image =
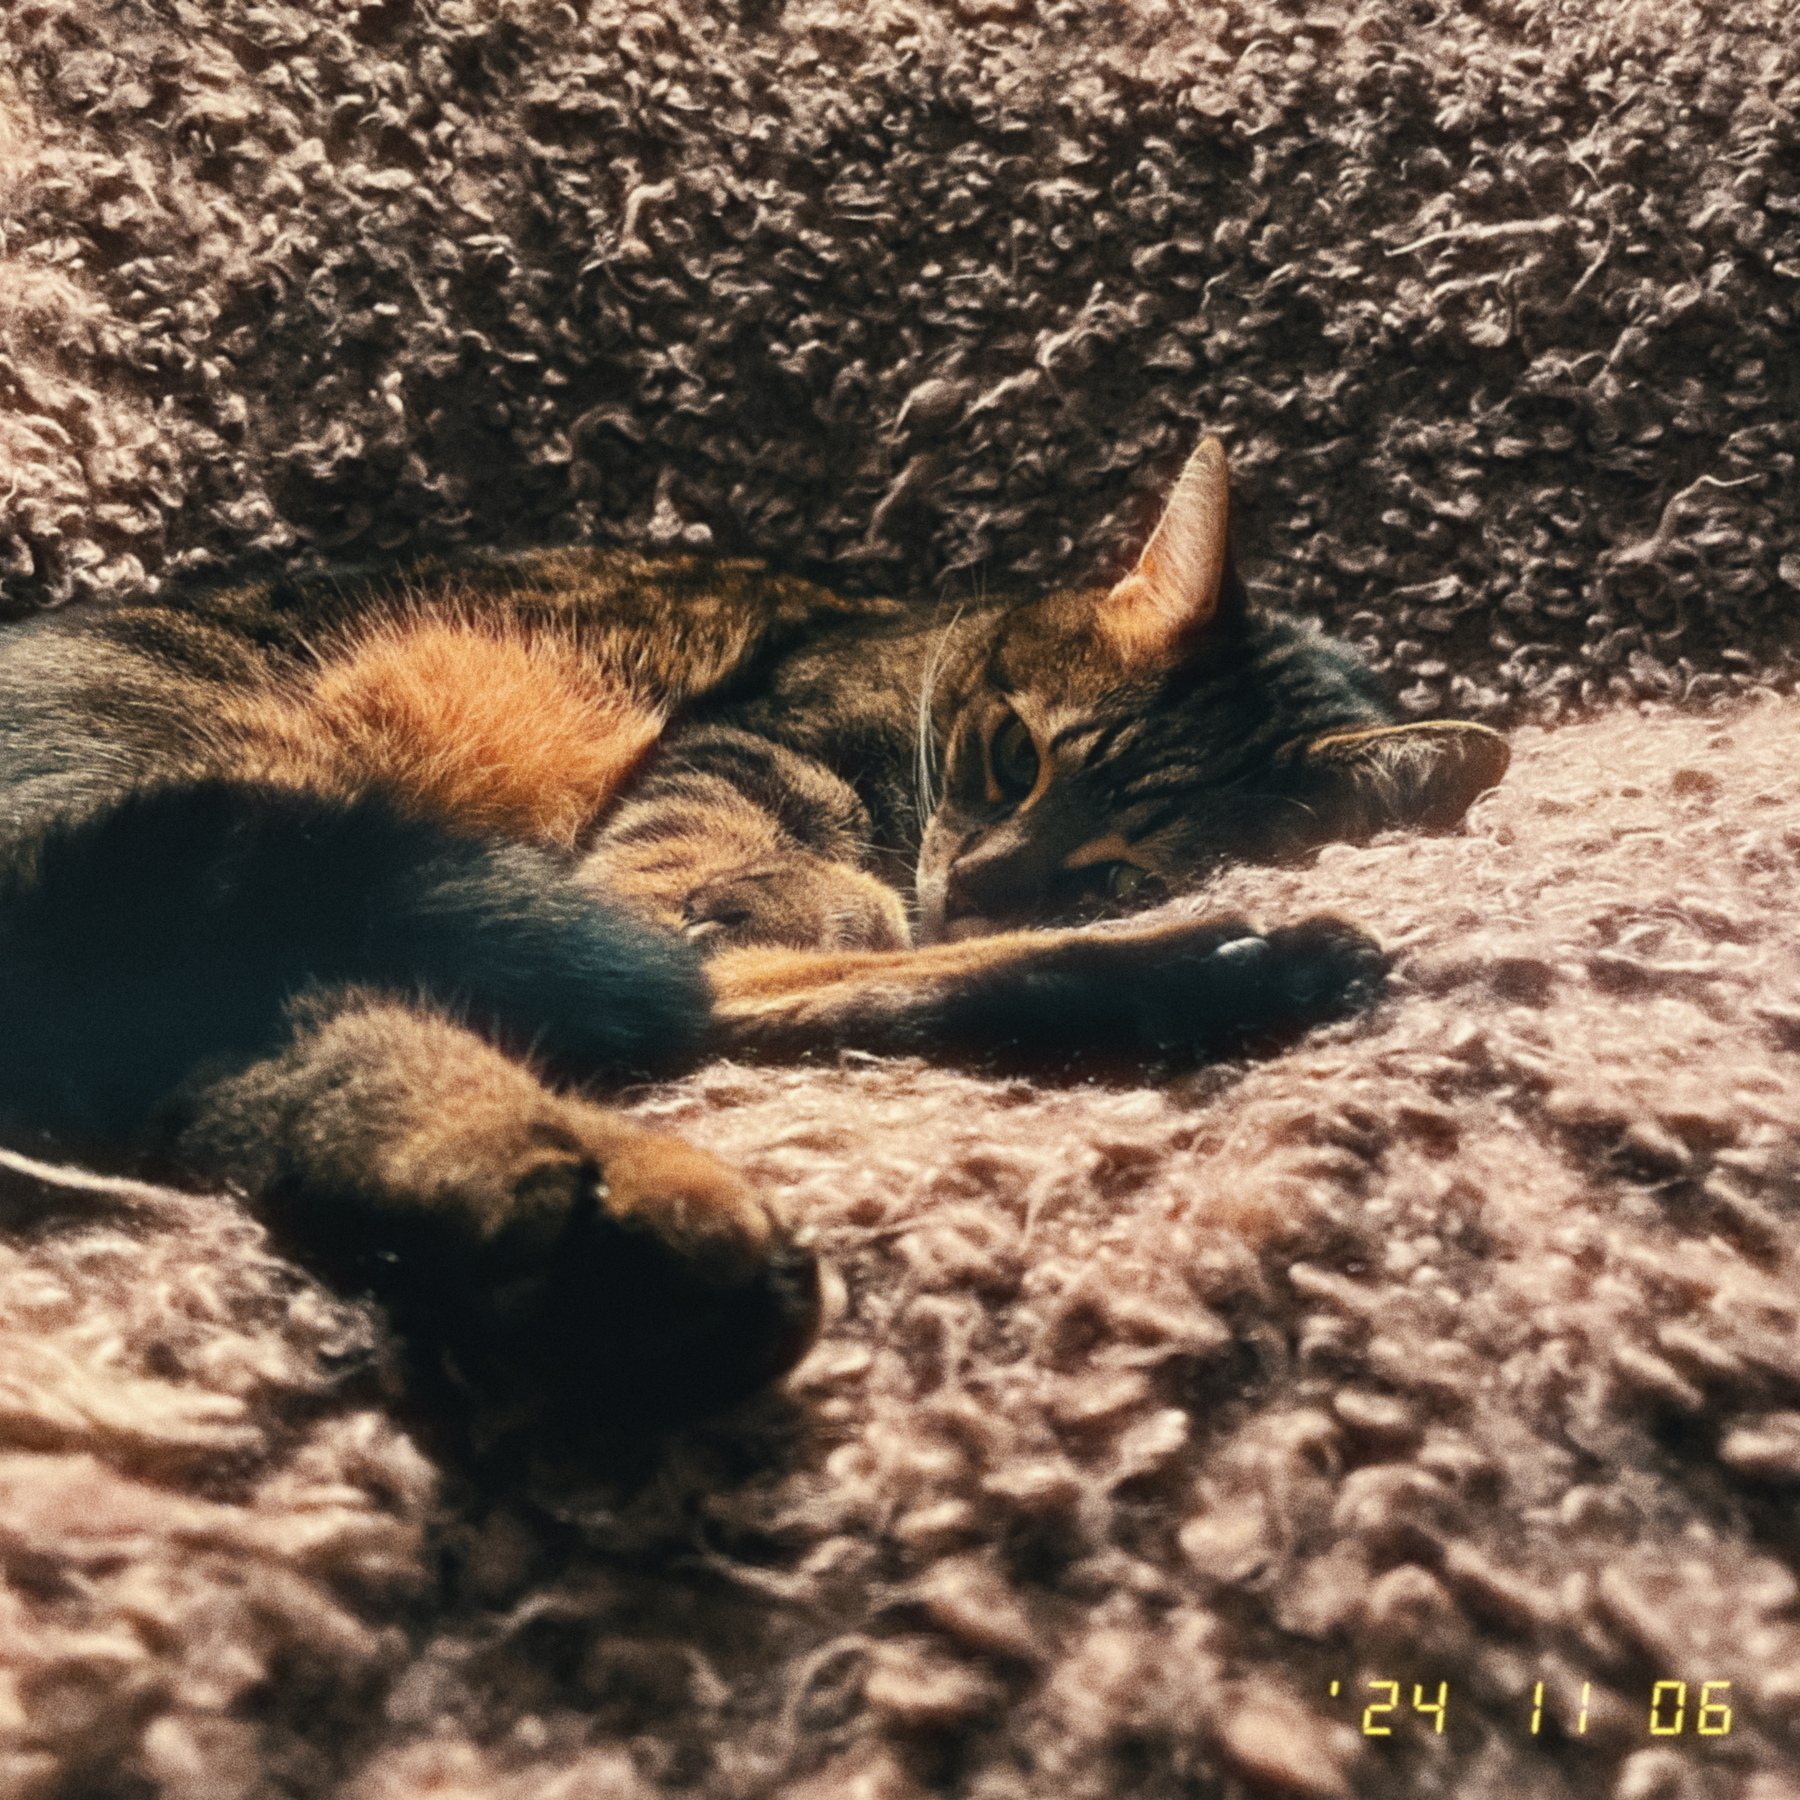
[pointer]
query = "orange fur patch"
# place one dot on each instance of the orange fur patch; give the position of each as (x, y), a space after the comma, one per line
(505, 733)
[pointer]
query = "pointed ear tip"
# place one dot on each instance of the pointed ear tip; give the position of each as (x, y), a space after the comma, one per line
(1127, 591)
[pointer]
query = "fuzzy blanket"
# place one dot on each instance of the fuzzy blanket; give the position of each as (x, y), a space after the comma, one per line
(1156, 1432)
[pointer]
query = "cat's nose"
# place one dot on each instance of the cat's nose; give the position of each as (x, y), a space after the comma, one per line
(974, 889)
(970, 922)
(959, 903)
(988, 881)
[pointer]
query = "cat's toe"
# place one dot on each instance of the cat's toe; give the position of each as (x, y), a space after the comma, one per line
(1246, 953)
(705, 1213)
(1325, 966)
(640, 1282)
(1298, 975)
(670, 1304)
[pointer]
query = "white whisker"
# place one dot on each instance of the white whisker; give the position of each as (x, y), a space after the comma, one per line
(925, 759)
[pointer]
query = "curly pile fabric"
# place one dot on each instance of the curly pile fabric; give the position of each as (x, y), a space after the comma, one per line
(1458, 1347)
(1493, 306)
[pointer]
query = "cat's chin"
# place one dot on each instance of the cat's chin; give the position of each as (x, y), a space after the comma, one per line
(976, 925)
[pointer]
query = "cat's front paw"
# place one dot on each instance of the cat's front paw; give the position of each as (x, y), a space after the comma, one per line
(1063, 1000)
(1244, 982)
(801, 902)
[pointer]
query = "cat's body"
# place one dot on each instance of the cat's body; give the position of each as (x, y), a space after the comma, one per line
(343, 889)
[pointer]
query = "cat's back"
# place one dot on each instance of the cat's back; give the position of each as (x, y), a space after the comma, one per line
(95, 697)
(83, 711)
(542, 660)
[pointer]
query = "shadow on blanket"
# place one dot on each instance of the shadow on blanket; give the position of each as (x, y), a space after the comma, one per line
(1459, 1345)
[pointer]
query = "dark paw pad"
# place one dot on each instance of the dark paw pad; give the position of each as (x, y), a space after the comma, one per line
(1299, 975)
(633, 1333)
(1326, 967)
(662, 1294)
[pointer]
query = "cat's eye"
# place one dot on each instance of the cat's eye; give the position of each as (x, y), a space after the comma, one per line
(1014, 759)
(1125, 884)
(1124, 881)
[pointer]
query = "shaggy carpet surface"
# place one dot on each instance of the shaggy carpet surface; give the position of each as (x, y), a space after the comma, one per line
(1416, 1412)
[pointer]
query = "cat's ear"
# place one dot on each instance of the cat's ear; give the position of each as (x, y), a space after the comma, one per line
(1162, 609)
(1424, 775)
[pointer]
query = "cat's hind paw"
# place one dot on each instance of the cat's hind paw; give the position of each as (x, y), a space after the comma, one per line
(641, 1283)
(553, 1259)
(672, 1291)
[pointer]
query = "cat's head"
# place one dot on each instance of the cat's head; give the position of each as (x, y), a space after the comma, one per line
(1117, 746)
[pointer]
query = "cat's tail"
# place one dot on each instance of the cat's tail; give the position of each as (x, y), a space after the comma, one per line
(174, 924)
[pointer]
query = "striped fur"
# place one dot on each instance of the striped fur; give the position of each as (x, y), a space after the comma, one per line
(343, 889)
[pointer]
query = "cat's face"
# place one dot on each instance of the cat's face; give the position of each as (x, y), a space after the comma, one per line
(1117, 747)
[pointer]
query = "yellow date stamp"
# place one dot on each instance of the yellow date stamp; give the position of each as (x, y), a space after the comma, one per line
(1674, 1709)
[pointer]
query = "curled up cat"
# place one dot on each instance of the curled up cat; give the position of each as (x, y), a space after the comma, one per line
(348, 891)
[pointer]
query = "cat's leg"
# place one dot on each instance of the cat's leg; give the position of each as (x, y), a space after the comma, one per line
(1045, 999)
(148, 950)
(549, 1249)
(733, 840)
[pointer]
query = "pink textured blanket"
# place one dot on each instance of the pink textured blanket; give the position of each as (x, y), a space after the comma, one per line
(1155, 1432)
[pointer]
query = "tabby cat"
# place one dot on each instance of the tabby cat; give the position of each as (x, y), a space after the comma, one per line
(344, 889)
